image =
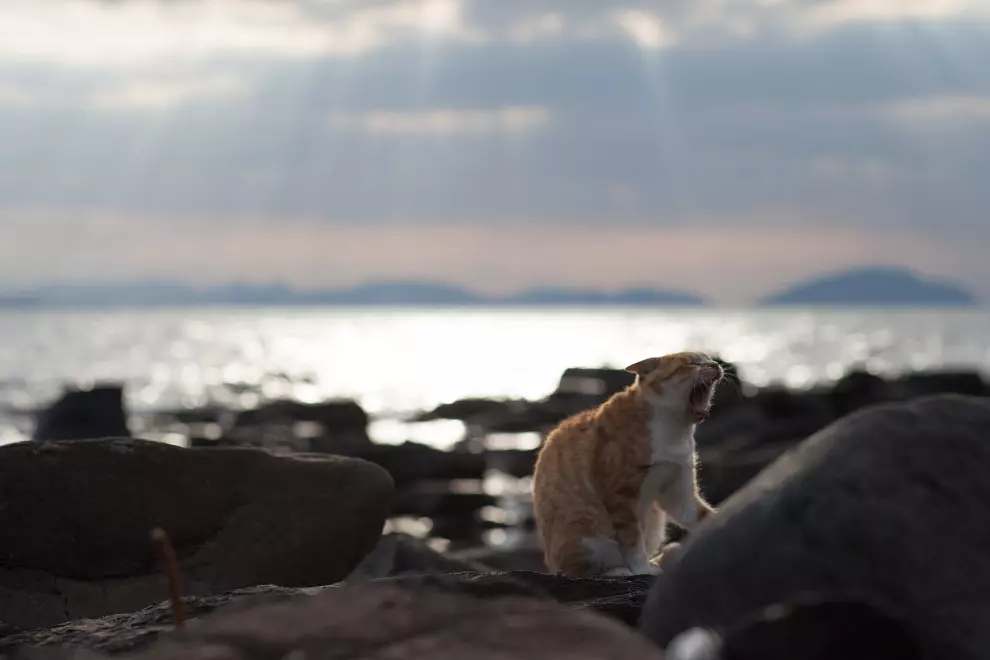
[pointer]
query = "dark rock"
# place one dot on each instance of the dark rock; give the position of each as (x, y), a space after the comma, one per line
(401, 554)
(857, 389)
(597, 382)
(335, 414)
(439, 503)
(513, 462)
(940, 382)
(464, 410)
(778, 402)
(83, 414)
(517, 559)
(464, 615)
(119, 633)
(75, 518)
(810, 628)
(343, 424)
(722, 473)
(888, 503)
(411, 462)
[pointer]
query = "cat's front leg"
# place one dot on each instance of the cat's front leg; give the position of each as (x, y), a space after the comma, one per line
(629, 536)
(682, 501)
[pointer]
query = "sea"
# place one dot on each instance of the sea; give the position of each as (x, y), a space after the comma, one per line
(399, 361)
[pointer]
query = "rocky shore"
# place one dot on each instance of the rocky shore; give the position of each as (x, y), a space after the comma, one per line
(850, 521)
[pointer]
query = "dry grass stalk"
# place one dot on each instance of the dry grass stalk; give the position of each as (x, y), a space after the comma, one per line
(171, 567)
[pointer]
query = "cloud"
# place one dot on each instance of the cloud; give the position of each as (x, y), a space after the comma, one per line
(141, 33)
(940, 109)
(828, 14)
(445, 121)
(167, 94)
(16, 96)
(646, 29)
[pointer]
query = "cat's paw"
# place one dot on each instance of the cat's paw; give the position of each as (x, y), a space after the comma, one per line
(646, 568)
(671, 552)
(618, 571)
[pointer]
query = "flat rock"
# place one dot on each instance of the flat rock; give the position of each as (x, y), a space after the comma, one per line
(887, 505)
(75, 519)
(484, 615)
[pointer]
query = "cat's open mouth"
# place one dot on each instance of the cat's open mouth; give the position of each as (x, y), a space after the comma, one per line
(700, 401)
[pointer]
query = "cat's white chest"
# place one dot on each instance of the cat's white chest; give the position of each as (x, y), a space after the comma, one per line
(670, 443)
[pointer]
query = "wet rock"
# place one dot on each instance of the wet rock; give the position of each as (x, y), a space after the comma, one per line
(457, 616)
(84, 413)
(888, 503)
(75, 518)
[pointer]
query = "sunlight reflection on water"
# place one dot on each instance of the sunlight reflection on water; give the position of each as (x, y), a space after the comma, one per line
(395, 361)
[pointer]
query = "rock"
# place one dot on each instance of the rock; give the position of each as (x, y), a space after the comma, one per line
(856, 389)
(513, 462)
(810, 628)
(450, 616)
(516, 559)
(118, 633)
(463, 410)
(940, 382)
(401, 554)
(343, 424)
(84, 413)
(598, 382)
(722, 473)
(411, 462)
(75, 518)
(887, 504)
(334, 414)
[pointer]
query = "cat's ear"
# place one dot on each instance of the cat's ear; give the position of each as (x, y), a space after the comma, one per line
(644, 367)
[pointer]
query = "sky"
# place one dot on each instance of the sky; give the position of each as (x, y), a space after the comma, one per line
(726, 147)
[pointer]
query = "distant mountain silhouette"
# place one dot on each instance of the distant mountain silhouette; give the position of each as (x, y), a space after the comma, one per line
(873, 286)
(386, 293)
(637, 296)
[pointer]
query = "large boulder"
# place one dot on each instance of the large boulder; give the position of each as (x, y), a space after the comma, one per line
(96, 412)
(75, 520)
(468, 615)
(886, 505)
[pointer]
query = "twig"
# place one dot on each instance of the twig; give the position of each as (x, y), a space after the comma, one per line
(171, 567)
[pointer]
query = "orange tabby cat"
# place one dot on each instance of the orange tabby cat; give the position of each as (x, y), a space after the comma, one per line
(607, 479)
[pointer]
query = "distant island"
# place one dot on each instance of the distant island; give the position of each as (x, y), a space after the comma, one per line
(387, 293)
(873, 286)
(876, 286)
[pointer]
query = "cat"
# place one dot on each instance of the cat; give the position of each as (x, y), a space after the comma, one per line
(607, 479)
